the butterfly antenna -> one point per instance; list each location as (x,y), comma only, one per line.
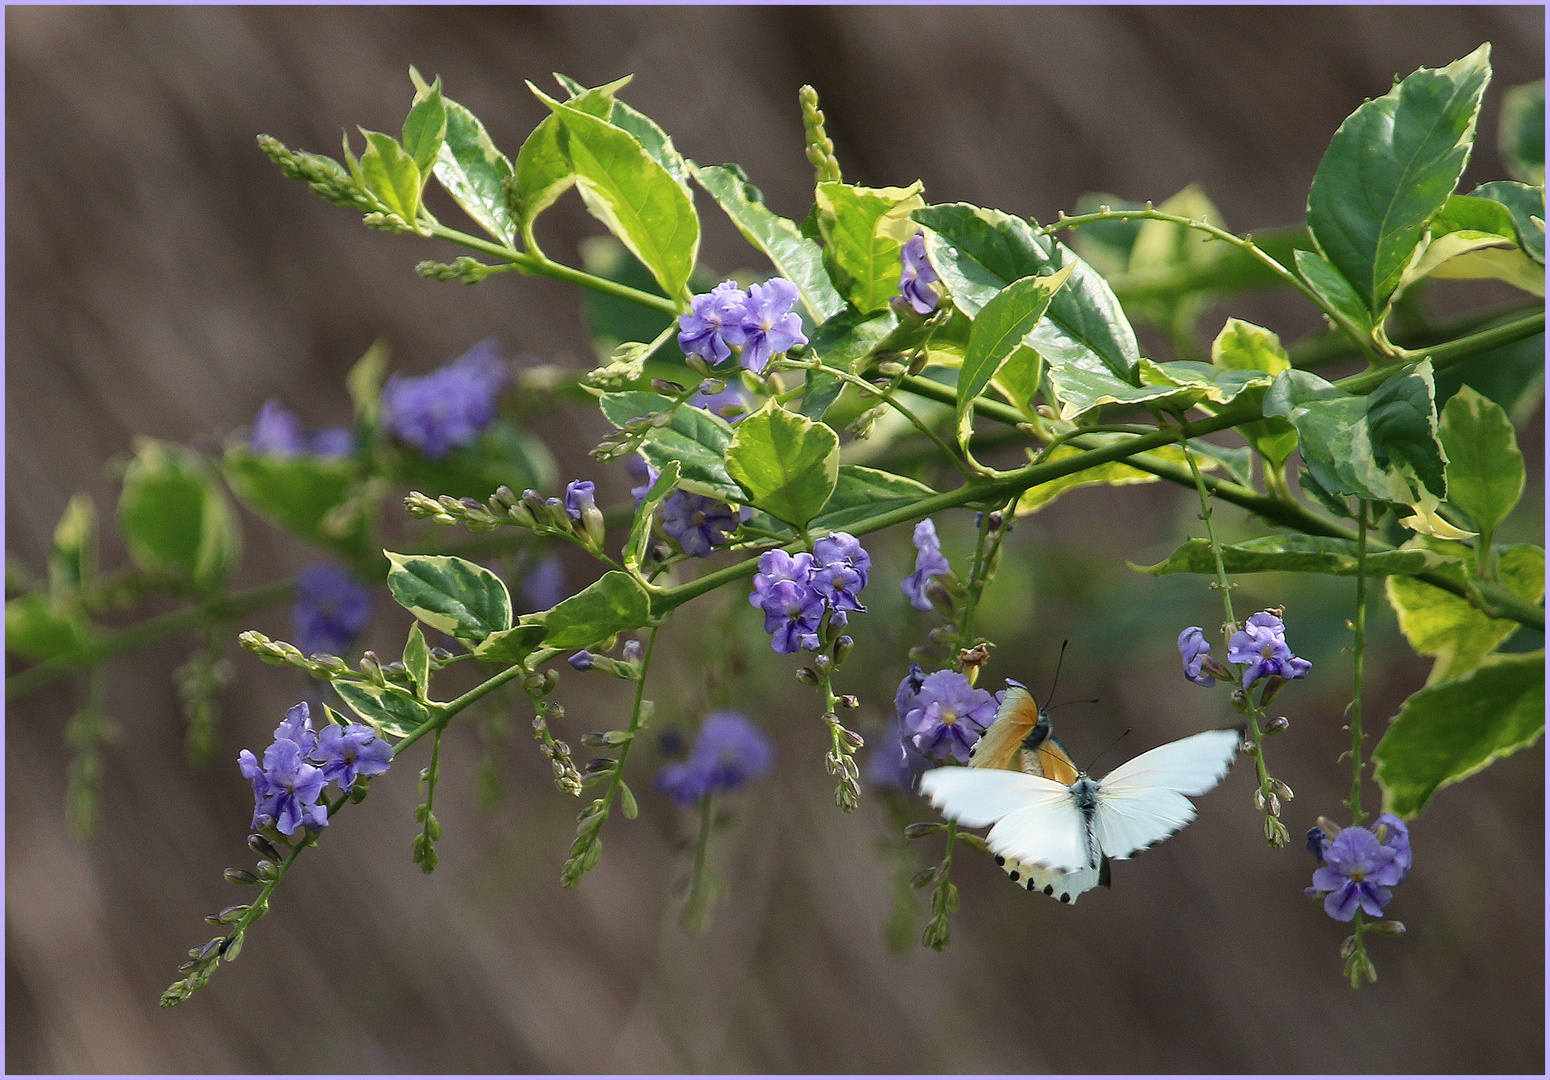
(1105,750)
(1056,680)
(1074,701)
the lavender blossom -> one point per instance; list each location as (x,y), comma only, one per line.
(448,408)
(1200,667)
(792,613)
(949,716)
(543,586)
(728,752)
(297,727)
(1261,644)
(285,789)
(840,568)
(331,608)
(893,763)
(1357,873)
(706,330)
(915,281)
(698,522)
(768,326)
(348,753)
(580,496)
(278,432)
(640,469)
(929,563)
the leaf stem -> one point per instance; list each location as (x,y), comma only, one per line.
(1359,626)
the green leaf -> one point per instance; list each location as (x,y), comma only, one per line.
(1297,553)
(610,605)
(1527,207)
(72,562)
(1018,378)
(543,172)
(1402,420)
(848,338)
(647,132)
(1081,389)
(364,382)
(474,173)
(788,464)
(417,659)
(1452,730)
(819,392)
(861,492)
(1217,386)
(392,177)
(1390,167)
(1485,467)
(1512,375)
(504,454)
(979,252)
(453,595)
(174,518)
(864,230)
(41,627)
(797,258)
(1521,133)
(1336,291)
(1445,626)
(694,438)
(640,530)
(513,646)
(1111,472)
(626,189)
(391,710)
(1242,346)
(425,128)
(1000,328)
(296,494)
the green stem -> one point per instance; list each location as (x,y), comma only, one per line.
(1360,645)
(889,397)
(1458,349)
(975,588)
(446,712)
(699,885)
(1222,583)
(635,721)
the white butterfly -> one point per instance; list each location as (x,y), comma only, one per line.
(1068,830)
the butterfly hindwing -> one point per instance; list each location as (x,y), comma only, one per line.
(1054,883)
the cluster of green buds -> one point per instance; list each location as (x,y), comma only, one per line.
(840,760)
(204,959)
(322,174)
(465,268)
(539,685)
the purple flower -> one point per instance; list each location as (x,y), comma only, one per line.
(297,727)
(768,326)
(1357,873)
(792,613)
(285,789)
(734,394)
(929,563)
(906,697)
(915,281)
(448,408)
(894,764)
(347,753)
(1261,644)
(640,469)
(580,496)
(1316,840)
(1391,832)
(698,522)
(543,586)
(949,716)
(581,661)
(706,330)
(278,431)
(1199,665)
(331,608)
(729,752)
(779,565)
(840,567)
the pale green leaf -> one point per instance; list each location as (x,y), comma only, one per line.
(1439,624)
(788,464)
(450,594)
(1485,468)
(864,230)
(610,605)
(1000,328)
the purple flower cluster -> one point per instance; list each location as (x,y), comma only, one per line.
(894,764)
(794,591)
(331,608)
(301,762)
(1200,667)
(278,431)
(451,406)
(1262,645)
(759,323)
(942,715)
(734,393)
(698,522)
(915,281)
(1360,867)
(543,586)
(929,563)
(729,752)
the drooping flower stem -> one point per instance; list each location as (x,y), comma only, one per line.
(1359,645)
(1205,515)
(701,887)
(944,898)
(987,546)
(425,844)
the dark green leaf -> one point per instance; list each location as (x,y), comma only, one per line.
(389,709)
(788,464)
(1511,375)
(1521,133)
(390,174)
(1298,554)
(850,337)
(1390,168)
(1527,207)
(864,230)
(820,392)
(41,627)
(694,438)
(860,493)
(174,517)
(1485,467)
(999,329)
(1439,624)
(610,605)
(453,595)
(1336,291)
(296,494)
(797,258)
(979,252)
(1452,730)
(1402,421)
(640,530)
(425,128)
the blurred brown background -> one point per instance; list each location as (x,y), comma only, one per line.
(164,280)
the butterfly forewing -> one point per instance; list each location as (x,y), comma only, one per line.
(999,747)
(979,797)
(1047,829)
(1143,801)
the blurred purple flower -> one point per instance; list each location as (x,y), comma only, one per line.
(768,326)
(728,752)
(915,281)
(698,522)
(543,586)
(347,753)
(706,330)
(331,608)
(1261,644)
(641,470)
(278,431)
(451,406)
(735,393)
(906,697)
(894,764)
(1357,873)
(929,563)
(1392,832)
(1200,667)
(949,716)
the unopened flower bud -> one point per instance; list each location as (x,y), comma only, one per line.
(1276,724)
(598,765)
(822,663)
(923,828)
(849,701)
(207,950)
(231,948)
(1273,805)
(556,710)
(240,877)
(1329,828)
(227,914)
(633,652)
(267,870)
(851,739)
(670,389)
(261,846)
(807,676)
(1391,927)
(842,647)
(1281,790)
(924,878)
(891,369)
(997,519)
(838,620)
(697,364)
(1348,947)
(731,410)
(581,661)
